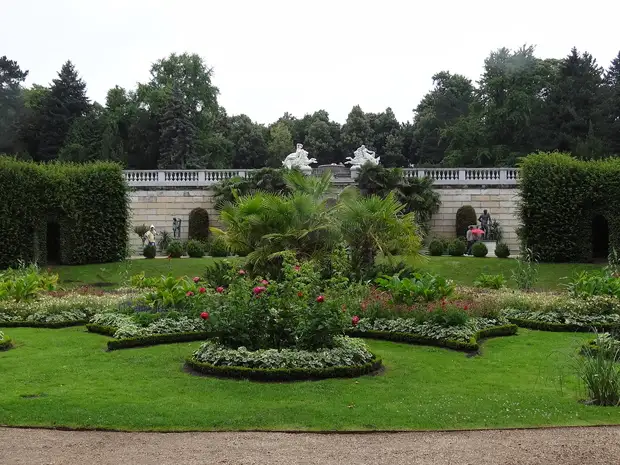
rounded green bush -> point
(195, 249)
(150, 251)
(479, 250)
(175, 249)
(198, 225)
(457, 248)
(436, 248)
(502, 250)
(218, 246)
(465, 216)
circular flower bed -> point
(347, 358)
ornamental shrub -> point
(150, 251)
(217, 246)
(457, 248)
(435, 248)
(465, 216)
(198, 228)
(479, 250)
(195, 249)
(502, 250)
(84, 206)
(175, 249)
(560, 198)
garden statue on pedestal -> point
(299, 159)
(361, 156)
(176, 228)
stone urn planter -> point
(490, 247)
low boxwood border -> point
(410, 338)
(283, 374)
(40, 324)
(6, 344)
(101, 329)
(563, 327)
(156, 339)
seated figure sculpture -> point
(298, 159)
(362, 156)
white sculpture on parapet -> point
(362, 156)
(299, 159)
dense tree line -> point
(520, 104)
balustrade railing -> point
(440, 176)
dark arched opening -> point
(600, 237)
(53, 242)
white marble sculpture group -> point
(299, 159)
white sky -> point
(272, 56)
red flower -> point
(258, 289)
(355, 320)
(297, 267)
(300, 294)
(320, 299)
(196, 279)
(202, 290)
(169, 257)
(219, 290)
(241, 272)
(264, 282)
(465, 307)
(204, 315)
(189, 293)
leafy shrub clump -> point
(150, 251)
(220, 273)
(502, 250)
(421, 287)
(195, 249)
(198, 228)
(589, 283)
(25, 283)
(479, 250)
(218, 247)
(465, 217)
(600, 373)
(435, 248)
(526, 272)
(175, 249)
(457, 248)
(490, 281)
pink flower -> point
(297, 267)
(196, 279)
(189, 293)
(300, 294)
(219, 290)
(320, 299)
(204, 315)
(355, 320)
(264, 282)
(202, 290)
(258, 289)
(241, 272)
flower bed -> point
(348, 358)
(5, 342)
(562, 321)
(462, 337)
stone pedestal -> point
(306, 170)
(355, 171)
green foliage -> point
(220, 273)
(457, 248)
(175, 249)
(526, 273)
(600, 373)
(198, 227)
(479, 250)
(496, 233)
(195, 249)
(465, 217)
(435, 248)
(589, 283)
(268, 180)
(560, 197)
(88, 202)
(25, 283)
(150, 251)
(141, 230)
(217, 246)
(421, 287)
(165, 238)
(178, 134)
(490, 281)
(502, 250)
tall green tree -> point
(280, 144)
(11, 103)
(178, 135)
(84, 140)
(249, 141)
(356, 131)
(612, 106)
(65, 102)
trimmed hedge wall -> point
(560, 196)
(562, 327)
(88, 202)
(6, 344)
(37, 324)
(409, 338)
(198, 228)
(283, 374)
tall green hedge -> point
(89, 203)
(198, 225)
(560, 197)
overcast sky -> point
(272, 56)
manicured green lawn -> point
(65, 378)
(463, 270)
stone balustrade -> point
(441, 176)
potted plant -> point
(494, 236)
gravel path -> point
(564, 446)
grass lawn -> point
(65, 378)
(463, 270)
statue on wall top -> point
(299, 159)
(362, 156)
